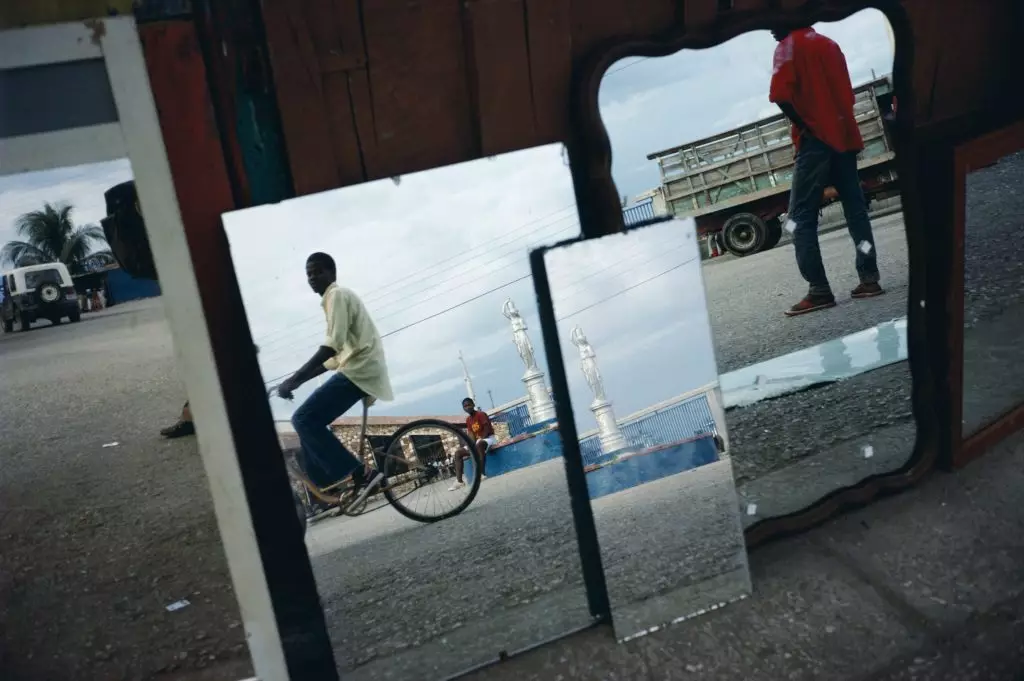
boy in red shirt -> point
(811, 84)
(481, 432)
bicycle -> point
(419, 457)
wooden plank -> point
(325, 55)
(699, 14)
(504, 97)
(549, 41)
(748, 5)
(300, 98)
(420, 94)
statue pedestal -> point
(541, 407)
(608, 431)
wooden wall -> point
(375, 88)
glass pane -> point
(436, 295)
(993, 293)
(644, 390)
(814, 401)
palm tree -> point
(50, 235)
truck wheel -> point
(23, 323)
(75, 316)
(774, 234)
(744, 233)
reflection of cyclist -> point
(354, 351)
(482, 433)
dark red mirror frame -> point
(923, 162)
(968, 157)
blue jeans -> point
(818, 166)
(324, 457)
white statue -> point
(588, 363)
(519, 336)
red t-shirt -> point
(810, 74)
(479, 425)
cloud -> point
(652, 104)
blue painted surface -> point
(516, 417)
(530, 451)
(651, 465)
(680, 421)
(121, 287)
(832, 361)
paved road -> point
(408, 601)
(95, 541)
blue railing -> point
(517, 417)
(634, 215)
(675, 422)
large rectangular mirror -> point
(802, 240)
(636, 344)
(453, 543)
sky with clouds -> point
(435, 255)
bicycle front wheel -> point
(422, 465)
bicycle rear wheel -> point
(420, 467)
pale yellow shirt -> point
(353, 336)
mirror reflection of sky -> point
(434, 256)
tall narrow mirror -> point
(993, 275)
(643, 385)
(452, 543)
(779, 147)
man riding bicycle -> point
(353, 350)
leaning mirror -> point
(993, 275)
(802, 242)
(419, 289)
(636, 344)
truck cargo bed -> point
(756, 160)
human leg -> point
(460, 462)
(330, 460)
(810, 173)
(846, 180)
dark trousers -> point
(325, 458)
(818, 166)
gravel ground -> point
(96, 541)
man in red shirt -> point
(811, 84)
(481, 432)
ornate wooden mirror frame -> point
(590, 154)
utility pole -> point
(466, 378)
(491, 396)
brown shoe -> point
(812, 303)
(867, 291)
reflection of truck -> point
(736, 184)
